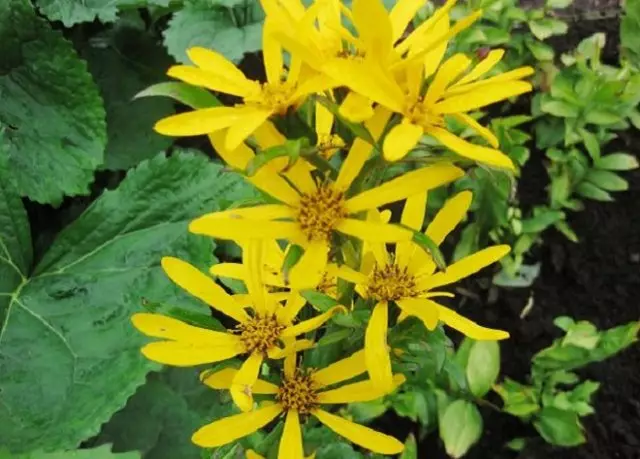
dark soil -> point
(596, 280)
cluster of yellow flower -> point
(401, 89)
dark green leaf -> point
(542, 219)
(319, 300)
(410, 448)
(184, 93)
(559, 427)
(71, 317)
(102, 452)
(460, 427)
(483, 366)
(588, 190)
(51, 111)
(291, 258)
(131, 61)
(334, 337)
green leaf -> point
(131, 61)
(364, 412)
(334, 337)
(541, 51)
(184, 93)
(542, 219)
(589, 190)
(591, 144)
(609, 181)
(559, 427)
(558, 4)
(630, 32)
(547, 27)
(357, 129)
(460, 427)
(161, 416)
(483, 366)
(70, 320)
(602, 117)
(559, 108)
(51, 111)
(413, 405)
(617, 162)
(291, 149)
(410, 448)
(319, 300)
(101, 452)
(582, 334)
(211, 26)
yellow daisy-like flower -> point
(259, 100)
(263, 324)
(409, 280)
(312, 213)
(301, 393)
(251, 454)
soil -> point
(596, 280)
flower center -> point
(327, 285)
(391, 283)
(320, 212)
(260, 333)
(298, 393)
(328, 144)
(274, 96)
(420, 114)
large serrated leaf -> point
(215, 27)
(102, 452)
(51, 111)
(69, 357)
(161, 416)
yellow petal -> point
(511, 75)
(224, 378)
(318, 83)
(290, 362)
(290, 311)
(186, 354)
(238, 158)
(240, 131)
(252, 259)
(373, 231)
(311, 324)
(374, 27)
(376, 353)
(401, 15)
(300, 175)
(234, 427)
(265, 211)
(242, 384)
(400, 140)
(481, 97)
(362, 391)
(212, 81)
(434, 57)
(468, 327)
(480, 129)
(159, 326)
(351, 275)
(486, 155)
(342, 370)
(484, 66)
(243, 228)
(361, 150)
(467, 266)
(308, 272)
(203, 287)
(423, 309)
(275, 186)
(368, 80)
(360, 435)
(230, 270)
(427, 29)
(271, 52)
(356, 108)
(412, 216)
(324, 119)
(448, 72)
(215, 63)
(251, 454)
(291, 347)
(410, 183)
(203, 121)
(452, 213)
(291, 440)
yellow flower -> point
(311, 213)
(259, 100)
(301, 393)
(273, 275)
(251, 454)
(258, 334)
(409, 280)
(328, 143)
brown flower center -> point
(320, 212)
(391, 283)
(298, 393)
(261, 333)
